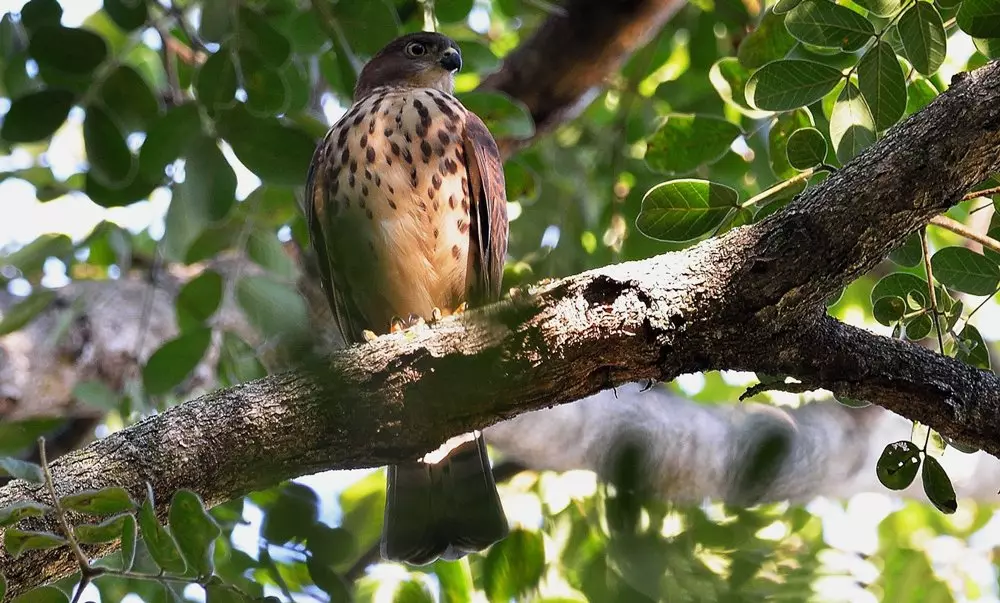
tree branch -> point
(751, 300)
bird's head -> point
(417, 60)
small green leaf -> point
(111, 161)
(769, 41)
(331, 546)
(257, 34)
(293, 515)
(277, 153)
(882, 8)
(17, 541)
(788, 84)
(972, 348)
(685, 142)
(271, 306)
(21, 313)
(806, 148)
(899, 284)
(215, 85)
(783, 6)
(67, 49)
(107, 531)
(217, 592)
(14, 513)
(937, 486)
(966, 271)
(960, 446)
(452, 11)
(897, 467)
(882, 85)
(514, 566)
(888, 310)
(918, 327)
(127, 14)
(456, 581)
(159, 542)
(45, 594)
(36, 116)
(195, 531)
(412, 591)
(505, 117)
(206, 195)
(823, 23)
(37, 13)
(198, 299)
(784, 126)
(852, 126)
(166, 139)
(97, 395)
(908, 254)
(105, 501)
(729, 78)
(922, 33)
(266, 88)
(129, 535)
(980, 18)
(683, 210)
(173, 362)
(128, 97)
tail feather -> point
(445, 505)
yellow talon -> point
(369, 335)
(435, 315)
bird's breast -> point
(398, 204)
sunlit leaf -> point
(514, 566)
(972, 348)
(823, 23)
(194, 530)
(806, 148)
(924, 40)
(980, 18)
(683, 210)
(769, 41)
(966, 271)
(685, 142)
(852, 126)
(729, 78)
(788, 84)
(882, 85)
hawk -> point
(407, 212)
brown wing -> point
(488, 207)
(316, 200)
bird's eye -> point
(416, 49)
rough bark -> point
(751, 299)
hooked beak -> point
(451, 60)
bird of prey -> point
(407, 213)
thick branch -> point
(751, 299)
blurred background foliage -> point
(201, 117)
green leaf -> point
(937, 486)
(21, 313)
(111, 161)
(729, 78)
(293, 515)
(783, 6)
(368, 24)
(777, 140)
(452, 11)
(330, 546)
(216, 20)
(882, 8)
(159, 542)
(852, 127)
(456, 581)
(127, 14)
(883, 85)
(105, 501)
(198, 299)
(412, 591)
(685, 142)
(788, 84)
(683, 210)
(898, 465)
(107, 531)
(16, 436)
(972, 348)
(67, 49)
(888, 310)
(207, 195)
(964, 270)
(45, 594)
(921, 31)
(129, 535)
(898, 284)
(980, 18)
(988, 47)
(257, 34)
(97, 395)
(14, 513)
(17, 541)
(909, 253)
(328, 580)
(266, 88)
(36, 116)
(195, 531)
(215, 85)
(128, 97)
(806, 148)
(238, 361)
(769, 41)
(918, 327)
(266, 250)
(271, 306)
(505, 117)
(173, 362)
(514, 566)
(166, 139)
(277, 153)
(823, 23)
(217, 592)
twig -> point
(777, 188)
(986, 192)
(930, 287)
(85, 568)
(791, 387)
(958, 228)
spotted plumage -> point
(406, 206)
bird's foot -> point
(437, 313)
(398, 325)
(369, 336)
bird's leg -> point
(437, 313)
(398, 325)
(369, 336)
